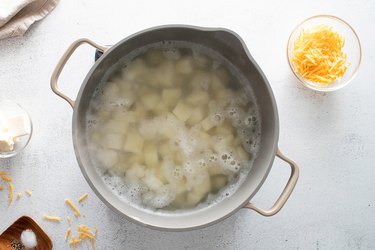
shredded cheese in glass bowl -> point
(324, 53)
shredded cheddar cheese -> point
(67, 234)
(19, 195)
(53, 218)
(84, 233)
(28, 192)
(69, 220)
(74, 242)
(76, 211)
(318, 55)
(6, 178)
(82, 197)
(10, 192)
(1, 188)
(3, 173)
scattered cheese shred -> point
(318, 55)
(76, 211)
(74, 242)
(82, 197)
(1, 188)
(83, 228)
(28, 192)
(69, 220)
(85, 235)
(54, 218)
(3, 173)
(67, 234)
(19, 195)
(10, 192)
(6, 178)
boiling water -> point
(173, 126)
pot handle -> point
(286, 192)
(60, 65)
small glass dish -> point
(15, 128)
(352, 48)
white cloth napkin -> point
(16, 16)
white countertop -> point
(331, 136)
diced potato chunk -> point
(171, 96)
(165, 75)
(184, 66)
(197, 115)
(182, 111)
(107, 157)
(161, 108)
(96, 138)
(113, 141)
(204, 136)
(133, 142)
(198, 98)
(150, 100)
(199, 192)
(111, 91)
(136, 159)
(164, 149)
(116, 126)
(214, 169)
(160, 175)
(151, 155)
(207, 123)
(180, 186)
(226, 128)
(154, 57)
(135, 172)
(216, 83)
(242, 154)
(218, 181)
(152, 181)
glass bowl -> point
(15, 128)
(352, 48)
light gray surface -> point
(331, 136)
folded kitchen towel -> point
(16, 16)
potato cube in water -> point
(182, 111)
(199, 192)
(116, 126)
(150, 100)
(161, 108)
(197, 115)
(214, 169)
(198, 98)
(135, 172)
(151, 155)
(218, 181)
(207, 123)
(171, 96)
(135, 159)
(107, 157)
(111, 91)
(154, 57)
(152, 181)
(242, 154)
(184, 66)
(133, 142)
(113, 141)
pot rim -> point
(138, 220)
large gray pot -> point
(232, 47)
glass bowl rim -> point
(4, 155)
(305, 82)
